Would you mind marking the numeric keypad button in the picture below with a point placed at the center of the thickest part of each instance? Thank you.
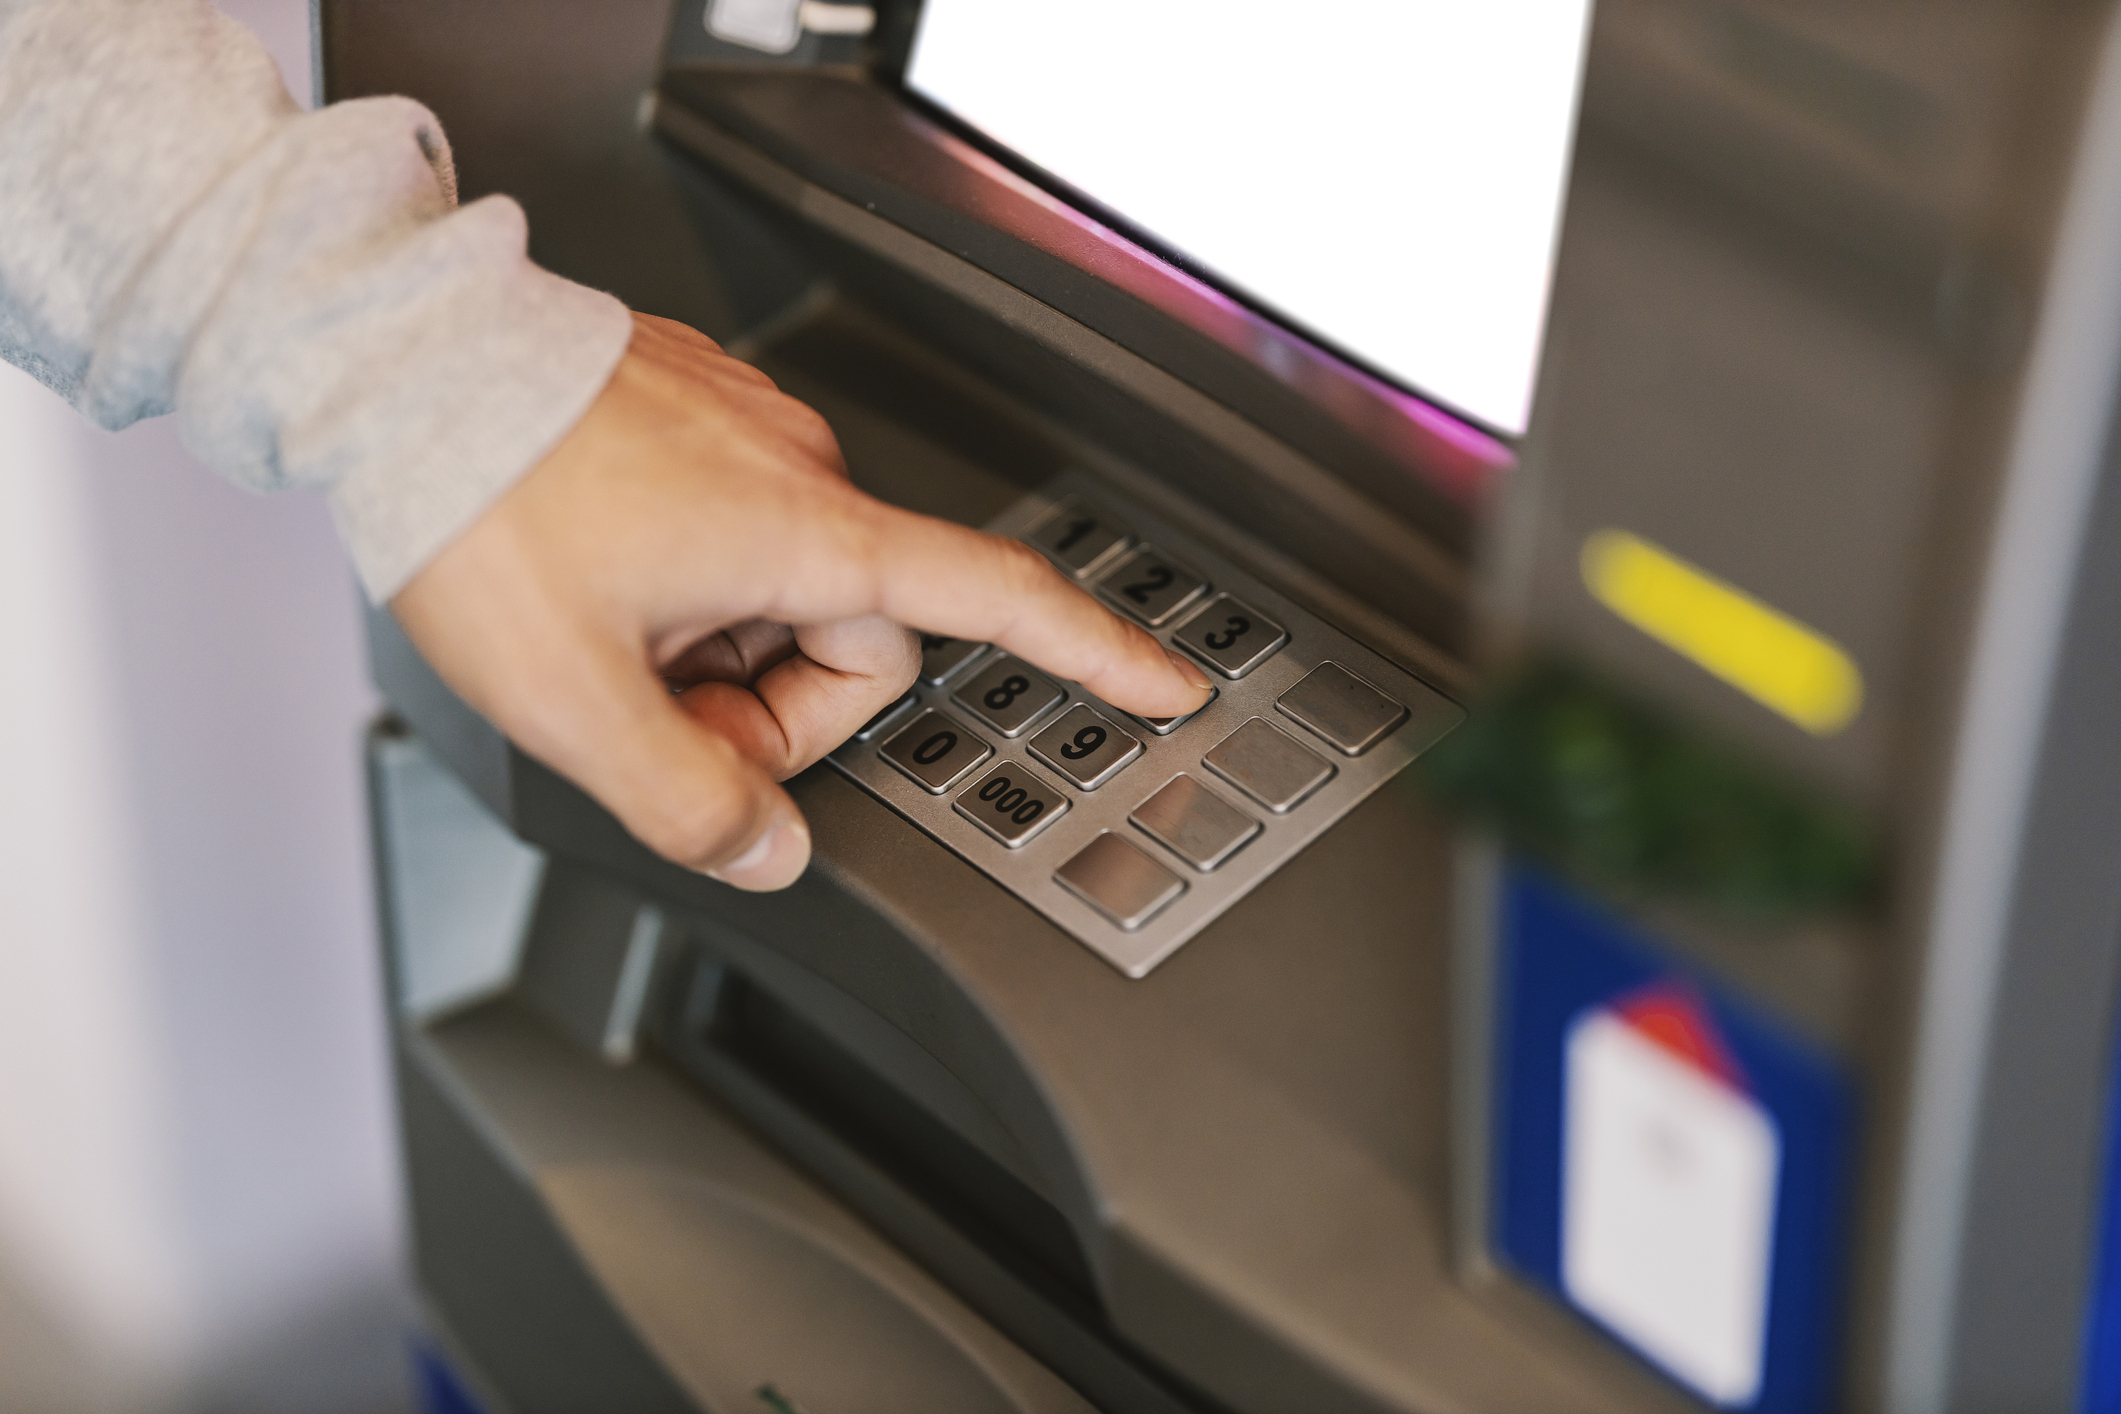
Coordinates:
(1080, 538)
(1267, 764)
(1085, 748)
(1194, 823)
(1119, 881)
(1164, 726)
(1010, 804)
(1151, 587)
(1231, 636)
(935, 752)
(1008, 695)
(1341, 708)
(941, 658)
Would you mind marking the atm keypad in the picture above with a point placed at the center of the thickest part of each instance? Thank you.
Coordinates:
(942, 658)
(1084, 748)
(935, 752)
(1129, 834)
(1080, 538)
(1009, 695)
(1011, 804)
(1231, 636)
(1151, 586)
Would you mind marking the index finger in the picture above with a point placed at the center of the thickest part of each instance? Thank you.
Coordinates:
(947, 579)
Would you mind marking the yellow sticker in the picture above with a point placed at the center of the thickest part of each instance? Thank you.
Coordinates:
(1761, 651)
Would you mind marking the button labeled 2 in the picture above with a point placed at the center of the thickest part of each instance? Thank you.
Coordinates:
(1010, 804)
(1231, 636)
(1152, 588)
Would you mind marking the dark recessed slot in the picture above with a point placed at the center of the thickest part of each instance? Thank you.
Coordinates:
(806, 1068)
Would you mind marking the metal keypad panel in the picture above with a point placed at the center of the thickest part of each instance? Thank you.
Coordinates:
(1130, 834)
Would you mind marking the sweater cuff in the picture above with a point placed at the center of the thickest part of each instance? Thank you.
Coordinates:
(528, 354)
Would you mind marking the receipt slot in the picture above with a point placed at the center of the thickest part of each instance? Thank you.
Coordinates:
(1209, 1064)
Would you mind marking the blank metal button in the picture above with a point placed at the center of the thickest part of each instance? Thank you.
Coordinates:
(1151, 587)
(935, 751)
(1231, 636)
(1079, 537)
(1119, 881)
(1010, 804)
(1342, 708)
(883, 719)
(1008, 695)
(1164, 726)
(1085, 748)
(940, 657)
(1267, 764)
(1194, 823)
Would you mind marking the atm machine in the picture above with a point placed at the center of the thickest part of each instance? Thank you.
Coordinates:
(1636, 929)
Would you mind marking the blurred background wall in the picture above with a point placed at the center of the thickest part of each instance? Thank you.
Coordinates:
(198, 1195)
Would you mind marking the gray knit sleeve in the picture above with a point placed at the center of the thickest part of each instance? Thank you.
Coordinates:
(301, 289)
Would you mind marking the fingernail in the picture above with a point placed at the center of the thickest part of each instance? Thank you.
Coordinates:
(1187, 671)
(775, 860)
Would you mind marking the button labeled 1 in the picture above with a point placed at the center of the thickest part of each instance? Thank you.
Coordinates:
(1079, 537)
(1084, 748)
(1152, 588)
(1008, 695)
(1231, 636)
(1010, 804)
(935, 751)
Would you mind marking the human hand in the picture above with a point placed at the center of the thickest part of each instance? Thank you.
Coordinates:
(686, 602)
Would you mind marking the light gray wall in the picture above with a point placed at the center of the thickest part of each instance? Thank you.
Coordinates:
(195, 1134)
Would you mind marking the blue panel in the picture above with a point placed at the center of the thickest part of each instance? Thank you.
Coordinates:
(440, 1391)
(2102, 1323)
(1562, 954)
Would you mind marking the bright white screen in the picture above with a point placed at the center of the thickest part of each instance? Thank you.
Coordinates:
(1388, 173)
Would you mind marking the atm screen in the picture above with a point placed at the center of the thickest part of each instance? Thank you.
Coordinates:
(1385, 176)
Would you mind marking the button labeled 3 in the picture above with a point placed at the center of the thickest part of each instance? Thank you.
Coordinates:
(1231, 636)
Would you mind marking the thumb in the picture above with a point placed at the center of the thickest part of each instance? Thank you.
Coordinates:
(691, 795)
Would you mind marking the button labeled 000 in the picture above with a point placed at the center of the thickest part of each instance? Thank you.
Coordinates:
(1010, 804)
